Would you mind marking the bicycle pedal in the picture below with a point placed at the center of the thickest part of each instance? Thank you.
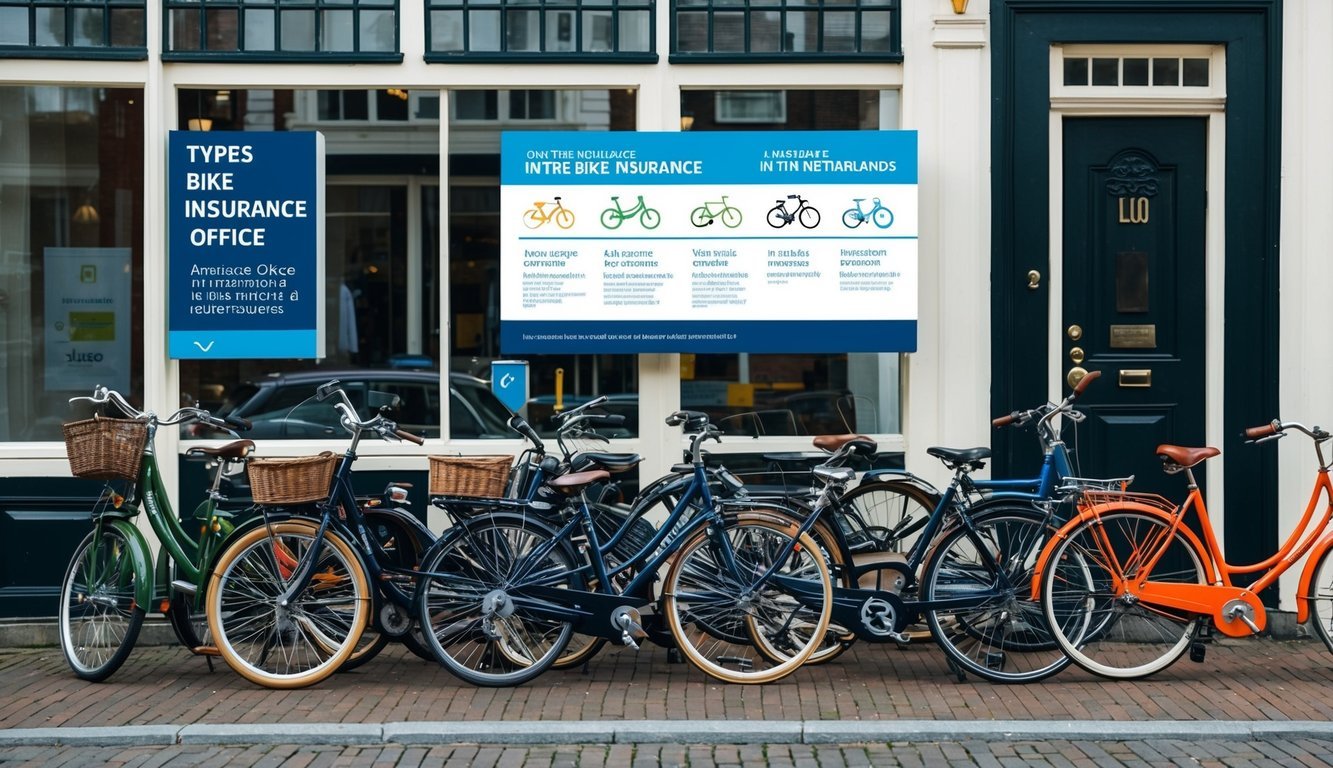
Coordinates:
(1198, 650)
(739, 662)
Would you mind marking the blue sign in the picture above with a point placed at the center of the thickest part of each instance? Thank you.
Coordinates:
(245, 245)
(509, 382)
(728, 241)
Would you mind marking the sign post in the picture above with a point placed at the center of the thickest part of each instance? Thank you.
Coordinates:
(245, 245)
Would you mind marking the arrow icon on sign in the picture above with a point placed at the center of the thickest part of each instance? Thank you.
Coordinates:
(202, 348)
(506, 380)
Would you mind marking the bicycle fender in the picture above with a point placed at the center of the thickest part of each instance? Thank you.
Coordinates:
(874, 475)
(1088, 513)
(1305, 587)
(142, 555)
(423, 535)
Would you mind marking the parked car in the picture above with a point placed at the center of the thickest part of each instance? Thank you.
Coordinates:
(282, 405)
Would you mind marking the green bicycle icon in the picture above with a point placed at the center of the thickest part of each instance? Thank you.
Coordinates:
(709, 212)
(854, 217)
(539, 215)
(614, 216)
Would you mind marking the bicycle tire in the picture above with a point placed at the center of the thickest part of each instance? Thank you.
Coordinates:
(1321, 598)
(1003, 637)
(316, 634)
(699, 216)
(464, 600)
(99, 616)
(731, 217)
(700, 594)
(532, 218)
(650, 218)
(808, 216)
(777, 217)
(877, 218)
(1102, 632)
(564, 218)
(612, 219)
(885, 515)
(852, 218)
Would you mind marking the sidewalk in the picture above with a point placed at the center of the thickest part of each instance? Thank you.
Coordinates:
(1246, 689)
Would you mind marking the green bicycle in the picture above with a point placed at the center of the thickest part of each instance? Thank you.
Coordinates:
(614, 216)
(111, 581)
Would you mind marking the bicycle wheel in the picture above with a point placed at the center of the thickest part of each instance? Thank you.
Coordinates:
(1100, 625)
(809, 217)
(1000, 632)
(533, 218)
(309, 639)
(564, 218)
(612, 218)
(718, 615)
(1321, 598)
(650, 218)
(884, 516)
(731, 217)
(478, 629)
(99, 616)
(852, 218)
(699, 217)
(777, 217)
(883, 218)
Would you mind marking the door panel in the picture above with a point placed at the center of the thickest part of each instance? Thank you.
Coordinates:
(1133, 304)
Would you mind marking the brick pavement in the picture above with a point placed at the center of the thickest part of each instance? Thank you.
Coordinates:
(1242, 680)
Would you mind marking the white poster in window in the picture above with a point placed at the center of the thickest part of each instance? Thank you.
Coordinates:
(87, 318)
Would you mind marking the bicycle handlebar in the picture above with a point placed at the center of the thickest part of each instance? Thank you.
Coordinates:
(409, 437)
(1276, 428)
(563, 416)
(1087, 379)
(103, 396)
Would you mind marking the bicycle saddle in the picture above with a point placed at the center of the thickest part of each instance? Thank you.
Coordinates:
(614, 463)
(236, 449)
(1185, 457)
(957, 457)
(831, 443)
(573, 483)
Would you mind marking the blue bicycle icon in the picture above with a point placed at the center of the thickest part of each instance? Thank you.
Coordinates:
(854, 217)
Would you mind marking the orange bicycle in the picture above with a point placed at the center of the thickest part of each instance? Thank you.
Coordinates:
(1127, 587)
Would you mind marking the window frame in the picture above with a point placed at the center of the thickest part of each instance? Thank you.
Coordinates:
(316, 7)
(576, 10)
(32, 50)
(752, 8)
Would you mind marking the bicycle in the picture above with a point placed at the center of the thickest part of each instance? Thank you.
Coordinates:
(1157, 589)
(708, 213)
(779, 216)
(111, 581)
(743, 598)
(854, 217)
(538, 215)
(614, 216)
(288, 601)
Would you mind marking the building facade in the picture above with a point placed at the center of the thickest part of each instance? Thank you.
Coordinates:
(1137, 186)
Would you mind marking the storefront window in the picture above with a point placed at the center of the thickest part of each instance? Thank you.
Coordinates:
(71, 252)
(786, 395)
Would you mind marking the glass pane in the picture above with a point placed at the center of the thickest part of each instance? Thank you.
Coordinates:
(474, 105)
(691, 32)
(427, 106)
(875, 28)
(521, 31)
(560, 31)
(483, 31)
(298, 31)
(13, 26)
(839, 31)
(1195, 73)
(337, 32)
(377, 31)
(71, 269)
(802, 31)
(1076, 71)
(50, 26)
(1106, 71)
(221, 28)
(127, 27)
(446, 31)
(1131, 282)
(728, 32)
(634, 31)
(1136, 72)
(765, 31)
(1166, 71)
(391, 104)
(259, 32)
(185, 30)
(86, 27)
(597, 35)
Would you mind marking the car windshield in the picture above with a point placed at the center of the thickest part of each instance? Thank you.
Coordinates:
(493, 414)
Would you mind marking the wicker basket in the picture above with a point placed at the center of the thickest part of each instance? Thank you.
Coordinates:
(291, 481)
(480, 476)
(105, 449)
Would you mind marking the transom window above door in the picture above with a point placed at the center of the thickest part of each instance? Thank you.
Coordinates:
(1138, 71)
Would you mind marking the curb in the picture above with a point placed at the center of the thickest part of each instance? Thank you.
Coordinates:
(666, 731)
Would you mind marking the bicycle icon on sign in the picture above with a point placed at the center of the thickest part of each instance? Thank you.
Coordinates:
(854, 217)
(709, 212)
(779, 216)
(614, 216)
(539, 215)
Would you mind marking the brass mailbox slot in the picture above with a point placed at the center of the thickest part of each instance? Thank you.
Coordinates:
(1135, 377)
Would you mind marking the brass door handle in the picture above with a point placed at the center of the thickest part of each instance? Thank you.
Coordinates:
(1034, 279)
(1075, 375)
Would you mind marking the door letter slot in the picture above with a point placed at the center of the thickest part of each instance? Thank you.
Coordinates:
(1135, 377)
